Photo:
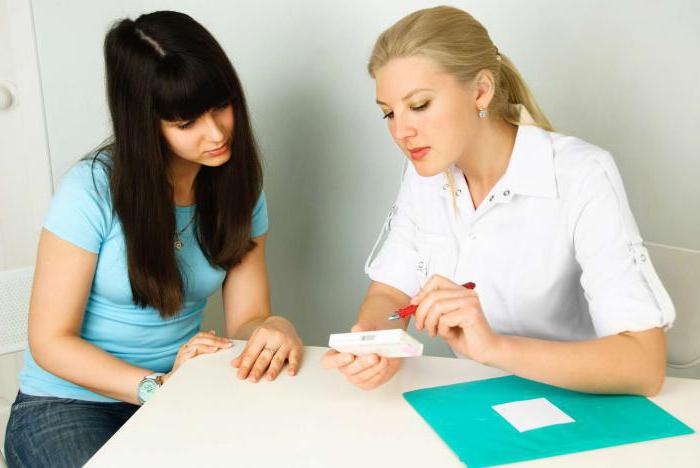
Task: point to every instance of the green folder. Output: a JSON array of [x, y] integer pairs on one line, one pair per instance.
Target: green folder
[[462, 415]]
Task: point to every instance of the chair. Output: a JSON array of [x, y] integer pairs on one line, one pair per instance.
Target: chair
[[15, 291], [679, 270]]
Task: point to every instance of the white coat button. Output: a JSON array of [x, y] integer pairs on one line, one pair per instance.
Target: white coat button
[[459, 192], [421, 264], [446, 186], [643, 258], [472, 236], [506, 193]]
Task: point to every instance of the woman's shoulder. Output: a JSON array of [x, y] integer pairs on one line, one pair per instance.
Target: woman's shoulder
[[86, 184], [575, 156], [580, 165], [81, 209], [91, 173]]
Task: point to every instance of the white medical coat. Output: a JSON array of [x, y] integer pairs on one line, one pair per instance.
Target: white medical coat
[[553, 249]]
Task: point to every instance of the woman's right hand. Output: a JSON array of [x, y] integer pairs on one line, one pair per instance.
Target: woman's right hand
[[201, 343], [366, 372]]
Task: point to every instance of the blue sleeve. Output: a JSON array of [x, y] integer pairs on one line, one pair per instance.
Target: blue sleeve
[[80, 211], [259, 224]]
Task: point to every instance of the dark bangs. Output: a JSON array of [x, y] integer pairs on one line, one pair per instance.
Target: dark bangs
[[184, 88]]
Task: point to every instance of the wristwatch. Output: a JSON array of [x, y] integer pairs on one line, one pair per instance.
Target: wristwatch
[[148, 386]]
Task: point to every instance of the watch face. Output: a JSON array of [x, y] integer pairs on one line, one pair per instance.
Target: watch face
[[147, 388]]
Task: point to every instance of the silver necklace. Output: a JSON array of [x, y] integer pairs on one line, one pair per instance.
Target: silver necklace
[[179, 244]]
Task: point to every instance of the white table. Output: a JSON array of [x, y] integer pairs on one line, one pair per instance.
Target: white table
[[205, 416]]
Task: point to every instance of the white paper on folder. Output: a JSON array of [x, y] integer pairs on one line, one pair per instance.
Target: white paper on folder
[[526, 415]]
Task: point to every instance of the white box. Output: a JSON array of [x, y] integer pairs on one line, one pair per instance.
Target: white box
[[388, 343]]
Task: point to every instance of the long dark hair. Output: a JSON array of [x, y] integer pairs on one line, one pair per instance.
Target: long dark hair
[[167, 66]]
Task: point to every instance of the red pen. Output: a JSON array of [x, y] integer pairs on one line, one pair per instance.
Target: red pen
[[410, 310]]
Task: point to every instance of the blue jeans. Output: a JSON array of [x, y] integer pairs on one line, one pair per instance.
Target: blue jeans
[[59, 432]]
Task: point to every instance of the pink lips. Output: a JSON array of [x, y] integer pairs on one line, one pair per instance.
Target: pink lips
[[220, 150], [419, 153]]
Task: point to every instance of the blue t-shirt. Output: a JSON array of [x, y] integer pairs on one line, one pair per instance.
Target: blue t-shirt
[[81, 213]]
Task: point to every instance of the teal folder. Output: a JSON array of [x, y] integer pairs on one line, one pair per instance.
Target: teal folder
[[462, 415]]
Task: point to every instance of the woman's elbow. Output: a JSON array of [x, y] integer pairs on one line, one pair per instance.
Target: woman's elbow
[[654, 383], [44, 347], [651, 350]]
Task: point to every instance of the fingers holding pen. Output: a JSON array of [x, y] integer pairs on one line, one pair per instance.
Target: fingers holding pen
[[438, 302]]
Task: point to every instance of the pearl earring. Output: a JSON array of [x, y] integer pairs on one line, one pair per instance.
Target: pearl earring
[[483, 113]]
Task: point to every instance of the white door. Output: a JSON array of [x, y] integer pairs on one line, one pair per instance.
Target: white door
[[25, 176]]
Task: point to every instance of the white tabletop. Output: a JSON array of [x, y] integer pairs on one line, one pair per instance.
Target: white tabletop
[[205, 416]]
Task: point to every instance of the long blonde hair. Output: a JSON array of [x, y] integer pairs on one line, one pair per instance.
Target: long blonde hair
[[462, 47]]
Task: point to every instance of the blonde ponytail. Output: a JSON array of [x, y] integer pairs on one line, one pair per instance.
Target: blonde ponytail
[[517, 92], [462, 47]]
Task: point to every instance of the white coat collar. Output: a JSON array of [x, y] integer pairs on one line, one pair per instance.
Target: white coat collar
[[531, 167], [530, 171]]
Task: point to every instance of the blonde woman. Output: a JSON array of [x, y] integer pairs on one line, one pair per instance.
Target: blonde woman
[[565, 292]]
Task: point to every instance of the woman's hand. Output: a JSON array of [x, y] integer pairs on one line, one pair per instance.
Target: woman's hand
[[270, 345], [201, 343], [366, 372], [454, 313]]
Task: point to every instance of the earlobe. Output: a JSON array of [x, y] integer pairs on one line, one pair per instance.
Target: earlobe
[[484, 91]]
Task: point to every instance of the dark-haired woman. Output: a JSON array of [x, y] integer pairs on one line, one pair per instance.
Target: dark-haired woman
[[136, 239]]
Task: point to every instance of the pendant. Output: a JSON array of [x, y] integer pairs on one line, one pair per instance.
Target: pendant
[[179, 244]]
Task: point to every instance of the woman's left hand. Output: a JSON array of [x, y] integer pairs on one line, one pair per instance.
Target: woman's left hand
[[454, 313], [270, 345]]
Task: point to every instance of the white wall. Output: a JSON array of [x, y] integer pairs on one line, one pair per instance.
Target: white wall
[[622, 75]]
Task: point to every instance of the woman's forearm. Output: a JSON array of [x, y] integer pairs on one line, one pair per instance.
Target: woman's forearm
[[376, 309], [629, 363], [80, 362]]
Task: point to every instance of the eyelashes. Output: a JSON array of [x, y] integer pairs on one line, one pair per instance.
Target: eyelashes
[[421, 107]]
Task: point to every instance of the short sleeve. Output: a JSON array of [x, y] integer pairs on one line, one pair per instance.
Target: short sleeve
[[624, 292], [80, 211], [259, 224], [395, 264]]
